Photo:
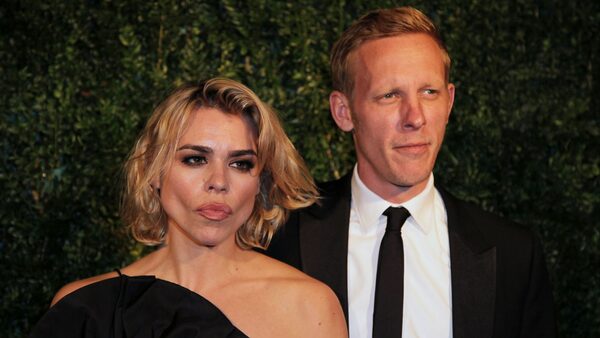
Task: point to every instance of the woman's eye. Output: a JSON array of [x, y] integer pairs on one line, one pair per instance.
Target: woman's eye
[[194, 160], [244, 165]]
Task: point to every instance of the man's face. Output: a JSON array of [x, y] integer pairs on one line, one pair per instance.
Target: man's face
[[398, 112]]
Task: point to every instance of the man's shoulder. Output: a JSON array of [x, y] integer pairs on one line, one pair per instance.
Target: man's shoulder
[[333, 194], [335, 186], [332, 205], [465, 216]]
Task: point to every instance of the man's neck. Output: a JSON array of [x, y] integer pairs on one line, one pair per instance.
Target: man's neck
[[395, 194]]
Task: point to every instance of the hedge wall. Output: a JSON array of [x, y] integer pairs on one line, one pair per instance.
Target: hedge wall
[[79, 78]]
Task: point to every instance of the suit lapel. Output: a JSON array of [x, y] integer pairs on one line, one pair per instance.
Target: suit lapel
[[324, 238], [473, 271], [324, 255]]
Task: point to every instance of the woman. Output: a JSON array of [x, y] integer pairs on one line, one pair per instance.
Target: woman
[[212, 176]]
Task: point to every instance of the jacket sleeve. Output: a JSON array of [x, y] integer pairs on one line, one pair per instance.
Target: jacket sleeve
[[538, 311]]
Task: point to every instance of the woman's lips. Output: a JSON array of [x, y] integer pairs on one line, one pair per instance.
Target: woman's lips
[[214, 211]]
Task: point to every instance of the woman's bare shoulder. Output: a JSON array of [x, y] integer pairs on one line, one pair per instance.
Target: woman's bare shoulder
[[318, 312], [314, 307], [76, 285], [274, 269]]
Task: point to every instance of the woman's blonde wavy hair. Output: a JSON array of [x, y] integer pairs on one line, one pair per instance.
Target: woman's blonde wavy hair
[[285, 182]]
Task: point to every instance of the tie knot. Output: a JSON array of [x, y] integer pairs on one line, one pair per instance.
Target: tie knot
[[396, 218]]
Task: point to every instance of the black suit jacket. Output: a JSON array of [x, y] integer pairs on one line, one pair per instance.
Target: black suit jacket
[[499, 281]]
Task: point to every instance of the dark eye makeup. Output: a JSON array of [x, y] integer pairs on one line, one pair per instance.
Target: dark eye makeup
[[243, 165], [193, 160]]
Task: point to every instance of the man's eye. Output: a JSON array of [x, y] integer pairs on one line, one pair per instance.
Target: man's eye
[[390, 95], [194, 160], [430, 91], [244, 165]]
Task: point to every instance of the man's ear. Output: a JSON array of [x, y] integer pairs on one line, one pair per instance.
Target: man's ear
[[339, 105], [451, 90]]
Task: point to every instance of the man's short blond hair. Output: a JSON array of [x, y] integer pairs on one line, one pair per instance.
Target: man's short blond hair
[[379, 24]]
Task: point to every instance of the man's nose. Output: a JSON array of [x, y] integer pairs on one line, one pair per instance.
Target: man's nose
[[412, 113]]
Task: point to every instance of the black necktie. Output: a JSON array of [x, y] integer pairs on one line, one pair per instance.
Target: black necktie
[[389, 292]]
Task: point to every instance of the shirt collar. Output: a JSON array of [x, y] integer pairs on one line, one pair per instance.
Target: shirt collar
[[369, 206]]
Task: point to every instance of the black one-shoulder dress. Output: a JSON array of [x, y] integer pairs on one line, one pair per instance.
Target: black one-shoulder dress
[[141, 306]]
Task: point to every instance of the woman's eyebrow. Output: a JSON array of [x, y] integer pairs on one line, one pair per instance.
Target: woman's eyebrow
[[201, 149], [209, 150], [237, 153]]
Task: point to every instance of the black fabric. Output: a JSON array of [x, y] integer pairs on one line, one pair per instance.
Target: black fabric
[[389, 289], [141, 306]]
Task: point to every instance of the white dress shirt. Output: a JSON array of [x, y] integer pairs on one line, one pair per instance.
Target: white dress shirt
[[427, 308]]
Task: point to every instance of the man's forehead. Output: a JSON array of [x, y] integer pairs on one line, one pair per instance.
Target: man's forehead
[[387, 54], [396, 50]]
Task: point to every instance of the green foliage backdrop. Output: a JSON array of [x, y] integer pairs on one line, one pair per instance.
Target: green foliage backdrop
[[79, 78]]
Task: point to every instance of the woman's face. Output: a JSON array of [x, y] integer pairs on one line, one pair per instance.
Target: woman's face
[[209, 190]]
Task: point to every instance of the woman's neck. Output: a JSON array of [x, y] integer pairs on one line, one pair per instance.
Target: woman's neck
[[194, 266]]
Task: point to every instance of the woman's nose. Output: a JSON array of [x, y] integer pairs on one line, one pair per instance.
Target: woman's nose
[[217, 180]]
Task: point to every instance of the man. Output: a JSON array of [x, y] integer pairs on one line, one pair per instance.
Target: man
[[462, 272]]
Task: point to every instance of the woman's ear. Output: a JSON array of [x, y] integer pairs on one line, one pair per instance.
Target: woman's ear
[[155, 185], [339, 105]]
